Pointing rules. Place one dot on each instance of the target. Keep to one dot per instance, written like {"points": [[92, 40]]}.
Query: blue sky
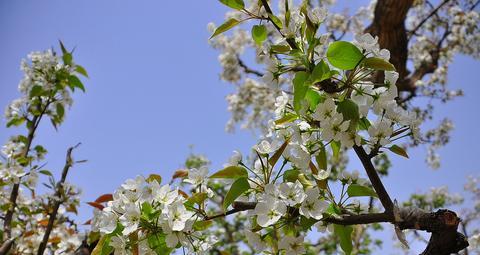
{"points": [[154, 89]]}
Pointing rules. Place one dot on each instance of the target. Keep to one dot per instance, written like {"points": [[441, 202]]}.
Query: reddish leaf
{"points": [[104, 198], [96, 205], [181, 192], [181, 173]]}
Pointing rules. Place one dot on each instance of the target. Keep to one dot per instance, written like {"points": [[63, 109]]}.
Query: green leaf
{"points": [[307, 223], [60, 111], [320, 72], [46, 172], [344, 55], [349, 110], [345, 235], [238, 188], [67, 58], [287, 118], [275, 20], [202, 225], [79, 69], [299, 89], [259, 34], [62, 47], [225, 27], [36, 91], [234, 4], [378, 64], [154, 177], [197, 198], [274, 158], [364, 124], [279, 48], [321, 158], [290, 175], [357, 190], [16, 121], [335, 149], [313, 98], [103, 246], [156, 242], [231, 172], [75, 82], [398, 150]]}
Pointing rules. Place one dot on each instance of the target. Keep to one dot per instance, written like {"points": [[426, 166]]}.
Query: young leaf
{"points": [[238, 188], [225, 26], [16, 121], [154, 177], [290, 175], [259, 34], [202, 225], [289, 117], [275, 20], [345, 235], [75, 82], [313, 98], [349, 110], [378, 64], [79, 69], [104, 198], [320, 72], [299, 89], [357, 190], [321, 158], [335, 149], [36, 91], [344, 55], [197, 198], [234, 4], [364, 124], [60, 111], [273, 160], [231, 172], [279, 48], [398, 150]]}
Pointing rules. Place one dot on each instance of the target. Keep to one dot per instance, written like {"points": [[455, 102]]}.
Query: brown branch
{"points": [[374, 179], [57, 201], [290, 41], [248, 69], [413, 31]]}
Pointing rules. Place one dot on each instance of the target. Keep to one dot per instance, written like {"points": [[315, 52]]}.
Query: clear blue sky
{"points": [[155, 89]]}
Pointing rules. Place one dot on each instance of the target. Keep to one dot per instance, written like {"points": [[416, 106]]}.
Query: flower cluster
{"points": [[46, 89], [141, 209]]}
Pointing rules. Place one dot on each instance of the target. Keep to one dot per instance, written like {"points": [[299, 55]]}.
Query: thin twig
{"points": [[58, 199]]}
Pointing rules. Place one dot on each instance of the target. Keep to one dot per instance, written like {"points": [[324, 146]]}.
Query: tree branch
{"points": [[374, 179], [248, 69], [413, 31], [57, 198], [290, 41]]}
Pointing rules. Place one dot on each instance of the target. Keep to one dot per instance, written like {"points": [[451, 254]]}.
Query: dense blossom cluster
{"points": [[46, 90], [147, 210], [306, 127]]}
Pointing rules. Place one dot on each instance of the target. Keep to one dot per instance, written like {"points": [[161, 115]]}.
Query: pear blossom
{"points": [[334, 128], [178, 216], [292, 245], [313, 206], [255, 241], [269, 211], [130, 219], [197, 176], [325, 110], [292, 193]]}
